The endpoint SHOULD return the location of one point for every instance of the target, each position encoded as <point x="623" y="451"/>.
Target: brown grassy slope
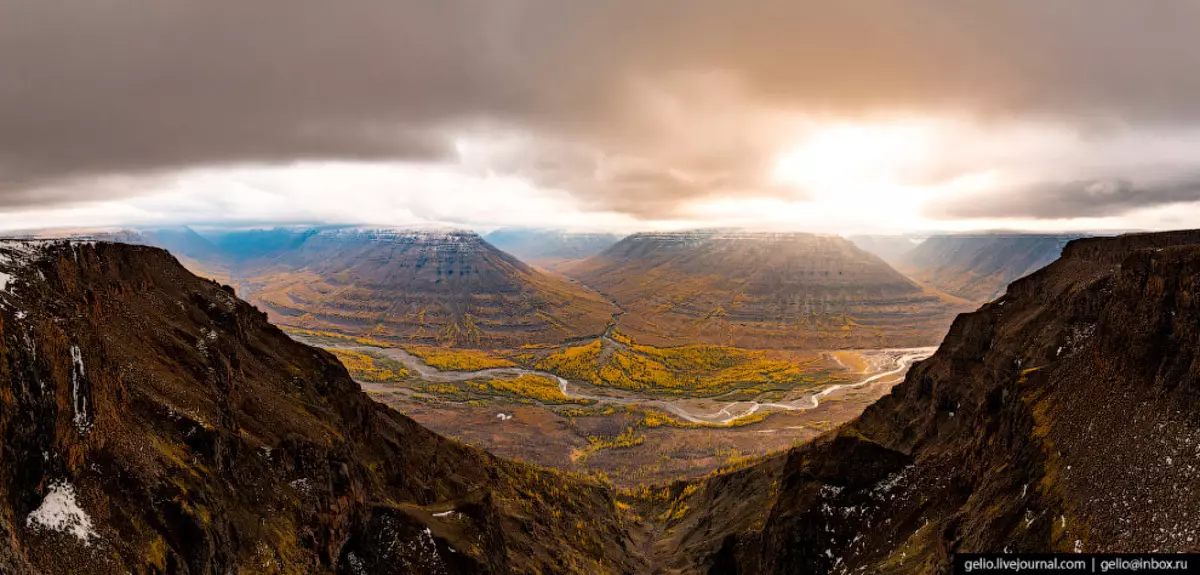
<point x="449" y="288"/>
<point x="201" y="439"/>
<point x="762" y="291"/>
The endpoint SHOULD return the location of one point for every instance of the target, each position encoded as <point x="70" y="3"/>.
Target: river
<point x="883" y="366"/>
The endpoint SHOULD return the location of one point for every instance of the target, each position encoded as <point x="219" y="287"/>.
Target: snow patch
<point x="504" y="416"/>
<point x="356" y="564"/>
<point x="60" y="512"/>
<point x="82" y="420"/>
<point x="302" y="485"/>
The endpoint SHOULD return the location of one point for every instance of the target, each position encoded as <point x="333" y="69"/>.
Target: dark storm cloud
<point x="1094" y="198"/>
<point x="129" y="86"/>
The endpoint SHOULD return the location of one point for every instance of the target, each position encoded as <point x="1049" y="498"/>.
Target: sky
<point x="874" y="116"/>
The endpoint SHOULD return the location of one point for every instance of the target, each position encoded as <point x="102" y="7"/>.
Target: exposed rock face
<point x="427" y="286"/>
<point x="787" y="290"/>
<point x="1063" y="416"/>
<point x="978" y="267"/>
<point x="151" y="422"/>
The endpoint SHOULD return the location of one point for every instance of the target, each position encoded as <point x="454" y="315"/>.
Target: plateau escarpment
<point x="978" y="267"/>
<point x="445" y="287"/>
<point x="787" y="290"/>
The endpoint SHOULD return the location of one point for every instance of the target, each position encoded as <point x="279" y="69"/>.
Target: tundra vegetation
<point x="527" y="416"/>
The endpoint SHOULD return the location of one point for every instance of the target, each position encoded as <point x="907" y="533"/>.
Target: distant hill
<point x="787" y="290"/>
<point x="257" y="244"/>
<point x="890" y="248"/>
<point x="182" y="241"/>
<point x="429" y="286"/>
<point x="978" y="267"/>
<point x="550" y="248"/>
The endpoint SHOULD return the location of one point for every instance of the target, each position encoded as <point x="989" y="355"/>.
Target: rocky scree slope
<point x="1064" y="416"/>
<point x="151" y="422"/>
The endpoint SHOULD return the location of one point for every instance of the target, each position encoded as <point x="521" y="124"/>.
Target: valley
<point x="522" y="287"/>
<point x="631" y="436"/>
<point x="609" y="365"/>
<point x="975" y="267"/>
<point x="132" y="381"/>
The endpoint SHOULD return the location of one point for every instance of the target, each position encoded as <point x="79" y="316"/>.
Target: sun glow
<point x="860" y="167"/>
<point x="869" y="169"/>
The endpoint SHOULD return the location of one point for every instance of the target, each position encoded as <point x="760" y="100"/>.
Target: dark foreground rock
<point x="151" y="422"/>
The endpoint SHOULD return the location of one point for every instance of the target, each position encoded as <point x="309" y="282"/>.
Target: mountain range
<point x="152" y="422"/>
<point x="453" y="287"/>
<point x="446" y="287"/>
<point x="416" y="285"/>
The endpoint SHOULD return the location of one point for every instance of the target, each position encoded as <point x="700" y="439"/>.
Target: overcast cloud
<point x="625" y="110"/>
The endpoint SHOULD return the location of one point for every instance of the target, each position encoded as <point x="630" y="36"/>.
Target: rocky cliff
<point x="151" y="422"/>
<point x="1064" y="416"/>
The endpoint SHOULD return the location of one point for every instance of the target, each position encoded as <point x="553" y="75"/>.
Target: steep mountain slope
<point x="550" y="248"/>
<point x="150" y="422"/>
<point x="1064" y="416"/>
<point x="447" y="286"/>
<point x="977" y="267"/>
<point x="761" y="290"/>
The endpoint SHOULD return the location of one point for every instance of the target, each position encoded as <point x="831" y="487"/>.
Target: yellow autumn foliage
<point x="454" y="359"/>
<point x="654" y="418"/>
<point x="531" y="386"/>
<point x="366" y="367"/>
<point x="697" y="370"/>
